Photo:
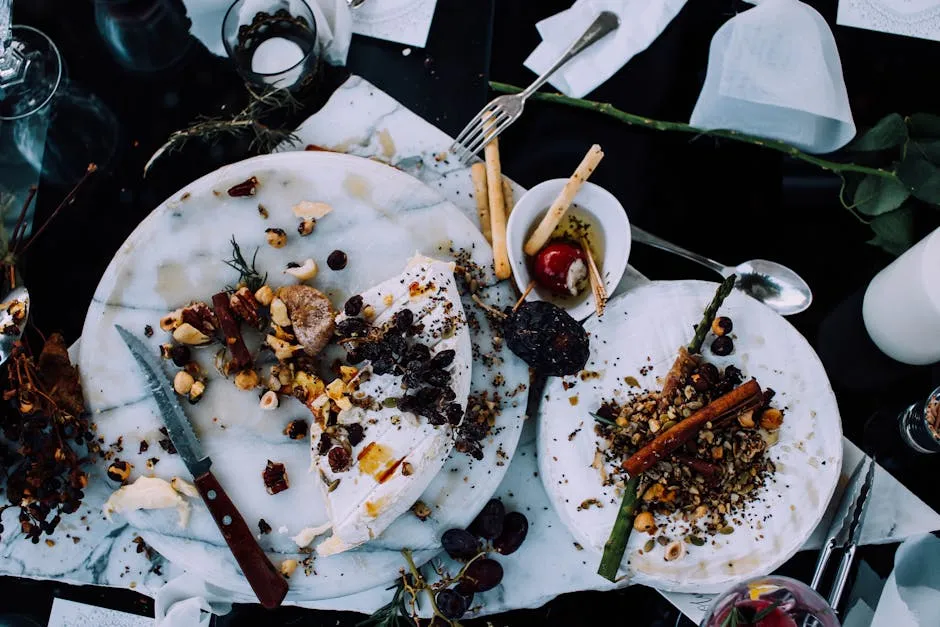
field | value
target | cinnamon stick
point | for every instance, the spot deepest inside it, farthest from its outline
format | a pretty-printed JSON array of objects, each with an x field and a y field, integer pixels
[
  {"x": 708, "y": 470},
  {"x": 241, "y": 358},
  {"x": 681, "y": 368},
  {"x": 740, "y": 399}
]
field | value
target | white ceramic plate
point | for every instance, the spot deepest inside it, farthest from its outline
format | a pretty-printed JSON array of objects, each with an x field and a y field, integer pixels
[
  {"x": 644, "y": 328},
  {"x": 381, "y": 218}
]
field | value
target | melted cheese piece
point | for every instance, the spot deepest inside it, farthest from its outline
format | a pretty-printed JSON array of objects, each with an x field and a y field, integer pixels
[
  {"x": 147, "y": 493},
  {"x": 401, "y": 453}
]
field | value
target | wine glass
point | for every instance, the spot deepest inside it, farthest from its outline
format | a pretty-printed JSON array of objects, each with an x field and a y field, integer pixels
[
  {"x": 30, "y": 74},
  {"x": 771, "y": 601}
]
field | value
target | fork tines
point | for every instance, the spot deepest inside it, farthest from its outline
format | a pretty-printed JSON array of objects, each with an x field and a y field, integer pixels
[{"x": 482, "y": 129}]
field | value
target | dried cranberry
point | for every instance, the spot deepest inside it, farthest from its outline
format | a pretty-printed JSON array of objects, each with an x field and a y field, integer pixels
[
  {"x": 353, "y": 306},
  {"x": 355, "y": 433},
  {"x": 339, "y": 459},
  {"x": 515, "y": 528},
  {"x": 336, "y": 260},
  {"x": 489, "y": 522}
]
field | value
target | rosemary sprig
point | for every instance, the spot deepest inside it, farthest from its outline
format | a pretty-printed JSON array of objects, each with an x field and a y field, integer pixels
[
  {"x": 603, "y": 421},
  {"x": 394, "y": 613},
  {"x": 247, "y": 273}
]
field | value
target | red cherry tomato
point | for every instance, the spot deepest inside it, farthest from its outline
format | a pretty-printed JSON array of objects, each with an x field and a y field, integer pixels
[{"x": 555, "y": 267}]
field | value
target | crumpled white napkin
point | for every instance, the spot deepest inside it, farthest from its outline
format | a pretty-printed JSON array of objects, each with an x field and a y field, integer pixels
[
  {"x": 334, "y": 25},
  {"x": 911, "y": 596},
  {"x": 774, "y": 71},
  {"x": 641, "y": 22},
  {"x": 188, "y": 601}
]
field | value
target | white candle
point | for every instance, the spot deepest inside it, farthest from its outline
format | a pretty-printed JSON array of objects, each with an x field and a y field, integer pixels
[
  {"x": 277, "y": 55},
  {"x": 902, "y": 305}
]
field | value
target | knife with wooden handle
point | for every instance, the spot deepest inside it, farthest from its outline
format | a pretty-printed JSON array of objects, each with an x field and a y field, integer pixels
[{"x": 267, "y": 583}]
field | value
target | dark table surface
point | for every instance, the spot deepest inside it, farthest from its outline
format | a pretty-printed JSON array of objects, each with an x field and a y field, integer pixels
[{"x": 728, "y": 201}]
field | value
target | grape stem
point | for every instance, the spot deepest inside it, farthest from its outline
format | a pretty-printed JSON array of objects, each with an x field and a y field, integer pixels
[{"x": 421, "y": 584}]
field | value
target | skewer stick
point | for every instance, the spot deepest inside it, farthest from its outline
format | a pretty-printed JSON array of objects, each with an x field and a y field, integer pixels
[
  {"x": 494, "y": 184},
  {"x": 597, "y": 282},
  {"x": 524, "y": 294},
  {"x": 507, "y": 197},
  {"x": 480, "y": 192},
  {"x": 558, "y": 209}
]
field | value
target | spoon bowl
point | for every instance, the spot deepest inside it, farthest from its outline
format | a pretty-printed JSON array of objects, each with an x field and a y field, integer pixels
[
  {"x": 774, "y": 284},
  {"x": 14, "y": 311}
]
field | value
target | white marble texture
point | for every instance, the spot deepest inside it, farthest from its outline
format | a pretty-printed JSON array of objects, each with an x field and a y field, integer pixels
[{"x": 363, "y": 120}]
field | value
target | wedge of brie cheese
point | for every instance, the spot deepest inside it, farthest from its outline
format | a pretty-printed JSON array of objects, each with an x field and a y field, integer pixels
[{"x": 374, "y": 458}]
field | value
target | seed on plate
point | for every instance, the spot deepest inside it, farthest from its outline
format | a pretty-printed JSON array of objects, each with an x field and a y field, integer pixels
[
  {"x": 726, "y": 530},
  {"x": 515, "y": 529},
  {"x": 722, "y": 326},
  {"x": 697, "y": 541},
  {"x": 649, "y": 546},
  {"x": 489, "y": 522},
  {"x": 277, "y": 238},
  {"x": 746, "y": 419},
  {"x": 296, "y": 429},
  {"x": 337, "y": 260},
  {"x": 674, "y": 551},
  {"x": 722, "y": 345},
  {"x": 172, "y": 320},
  {"x": 183, "y": 382},
  {"x": 339, "y": 459},
  {"x": 460, "y": 544},
  {"x": 264, "y": 295}
]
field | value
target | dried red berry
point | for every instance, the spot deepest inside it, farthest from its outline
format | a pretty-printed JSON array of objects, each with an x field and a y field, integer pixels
[
  {"x": 339, "y": 459},
  {"x": 275, "y": 477},
  {"x": 245, "y": 188}
]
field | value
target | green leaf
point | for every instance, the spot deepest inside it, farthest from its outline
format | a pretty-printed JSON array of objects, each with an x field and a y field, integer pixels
[
  {"x": 930, "y": 150},
  {"x": 894, "y": 231},
  {"x": 921, "y": 177},
  {"x": 876, "y": 195},
  {"x": 924, "y": 125},
  {"x": 890, "y": 131}
]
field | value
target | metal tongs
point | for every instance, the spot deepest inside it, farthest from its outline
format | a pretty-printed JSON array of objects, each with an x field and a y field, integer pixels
[{"x": 845, "y": 530}]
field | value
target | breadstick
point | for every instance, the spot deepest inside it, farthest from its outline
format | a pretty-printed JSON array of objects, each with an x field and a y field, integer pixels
[
  {"x": 478, "y": 174},
  {"x": 507, "y": 197},
  {"x": 494, "y": 183},
  {"x": 557, "y": 211}
]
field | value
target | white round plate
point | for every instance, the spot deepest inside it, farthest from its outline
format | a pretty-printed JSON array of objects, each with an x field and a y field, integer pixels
[
  {"x": 381, "y": 217},
  {"x": 643, "y": 329}
]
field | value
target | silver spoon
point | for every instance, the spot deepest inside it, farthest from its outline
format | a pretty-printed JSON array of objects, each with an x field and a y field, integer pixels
[
  {"x": 773, "y": 284},
  {"x": 13, "y": 315}
]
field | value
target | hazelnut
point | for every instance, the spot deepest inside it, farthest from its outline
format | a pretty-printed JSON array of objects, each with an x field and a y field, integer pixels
[
  {"x": 119, "y": 471},
  {"x": 288, "y": 567},
  {"x": 722, "y": 326},
  {"x": 172, "y": 320},
  {"x": 306, "y": 226},
  {"x": 771, "y": 419},
  {"x": 674, "y": 551},
  {"x": 269, "y": 399},
  {"x": 653, "y": 492},
  {"x": 699, "y": 382},
  {"x": 188, "y": 334},
  {"x": 421, "y": 510},
  {"x": 722, "y": 345},
  {"x": 277, "y": 238},
  {"x": 282, "y": 349},
  {"x": 746, "y": 419},
  {"x": 183, "y": 382},
  {"x": 195, "y": 394},
  {"x": 307, "y": 209},
  {"x": 247, "y": 380},
  {"x": 644, "y": 522},
  {"x": 264, "y": 295},
  {"x": 305, "y": 272},
  {"x": 279, "y": 313}
]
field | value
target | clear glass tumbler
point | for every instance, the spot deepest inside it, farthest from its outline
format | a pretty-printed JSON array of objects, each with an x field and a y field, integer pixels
[
  {"x": 770, "y": 602},
  {"x": 920, "y": 424}
]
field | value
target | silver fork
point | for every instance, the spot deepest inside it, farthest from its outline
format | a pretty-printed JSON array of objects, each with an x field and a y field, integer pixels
[{"x": 504, "y": 110}]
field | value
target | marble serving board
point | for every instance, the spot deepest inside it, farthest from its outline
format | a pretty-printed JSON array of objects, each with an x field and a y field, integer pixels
[
  {"x": 380, "y": 219},
  {"x": 363, "y": 120}
]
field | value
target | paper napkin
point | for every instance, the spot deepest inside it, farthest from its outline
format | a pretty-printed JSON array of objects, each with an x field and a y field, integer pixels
[
  {"x": 641, "y": 22},
  {"x": 72, "y": 614},
  {"x": 188, "y": 601},
  {"x": 774, "y": 71},
  {"x": 913, "y": 18},
  {"x": 402, "y": 21},
  {"x": 911, "y": 596},
  {"x": 334, "y": 25}
]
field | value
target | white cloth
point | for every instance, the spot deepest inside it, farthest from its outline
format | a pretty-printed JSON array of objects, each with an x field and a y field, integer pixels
[
  {"x": 641, "y": 22},
  {"x": 334, "y": 25},
  {"x": 188, "y": 601},
  {"x": 774, "y": 71},
  {"x": 911, "y": 596}
]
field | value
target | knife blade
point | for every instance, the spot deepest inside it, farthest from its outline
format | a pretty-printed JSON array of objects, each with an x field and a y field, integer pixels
[{"x": 266, "y": 582}]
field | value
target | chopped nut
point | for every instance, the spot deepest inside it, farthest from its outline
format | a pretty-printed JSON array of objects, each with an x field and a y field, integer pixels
[
  {"x": 275, "y": 477},
  {"x": 306, "y": 226},
  {"x": 336, "y": 389},
  {"x": 186, "y": 333},
  {"x": 288, "y": 567},
  {"x": 277, "y": 238},
  {"x": 347, "y": 373},
  {"x": 264, "y": 295},
  {"x": 296, "y": 429},
  {"x": 644, "y": 522},
  {"x": 421, "y": 510},
  {"x": 119, "y": 470},
  {"x": 279, "y": 314},
  {"x": 718, "y": 452},
  {"x": 268, "y": 401},
  {"x": 314, "y": 210},
  {"x": 196, "y": 392},
  {"x": 183, "y": 382},
  {"x": 653, "y": 425},
  {"x": 245, "y": 306},
  {"x": 653, "y": 492},
  {"x": 771, "y": 419},
  {"x": 247, "y": 380},
  {"x": 282, "y": 350},
  {"x": 172, "y": 320},
  {"x": 674, "y": 550},
  {"x": 700, "y": 511},
  {"x": 746, "y": 419},
  {"x": 307, "y": 271},
  {"x": 407, "y": 469},
  {"x": 245, "y": 188}
]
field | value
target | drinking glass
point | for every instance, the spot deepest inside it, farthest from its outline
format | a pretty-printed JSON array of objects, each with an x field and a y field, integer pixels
[
  {"x": 920, "y": 424},
  {"x": 30, "y": 74},
  {"x": 273, "y": 43},
  {"x": 771, "y": 602}
]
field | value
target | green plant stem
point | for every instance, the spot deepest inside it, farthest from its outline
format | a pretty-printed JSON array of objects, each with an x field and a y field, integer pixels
[
  {"x": 709, "y": 315},
  {"x": 680, "y": 127},
  {"x": 616, "y": 544}
]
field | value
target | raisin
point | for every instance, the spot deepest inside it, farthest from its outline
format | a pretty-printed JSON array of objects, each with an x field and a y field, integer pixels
[
  {"x": 353, "y": 306},
  {"x": 355, "y": 433}
]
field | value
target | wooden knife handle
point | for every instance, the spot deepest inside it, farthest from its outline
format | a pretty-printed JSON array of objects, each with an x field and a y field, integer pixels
[{"x": 267, "y": 583}]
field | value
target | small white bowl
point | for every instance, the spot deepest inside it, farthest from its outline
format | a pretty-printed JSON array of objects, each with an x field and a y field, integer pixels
[{"x": 605, "y": 211}]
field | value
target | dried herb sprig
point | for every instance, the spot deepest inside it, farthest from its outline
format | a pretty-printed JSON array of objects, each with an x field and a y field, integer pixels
[
  {"x": 247, "y": 273},
  {"x": 392, "y": 614},
  {"x": 245, "y": 123}
]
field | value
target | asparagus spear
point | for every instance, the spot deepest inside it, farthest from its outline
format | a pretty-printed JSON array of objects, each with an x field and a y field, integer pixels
[{"x": 616, "y": 544}]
